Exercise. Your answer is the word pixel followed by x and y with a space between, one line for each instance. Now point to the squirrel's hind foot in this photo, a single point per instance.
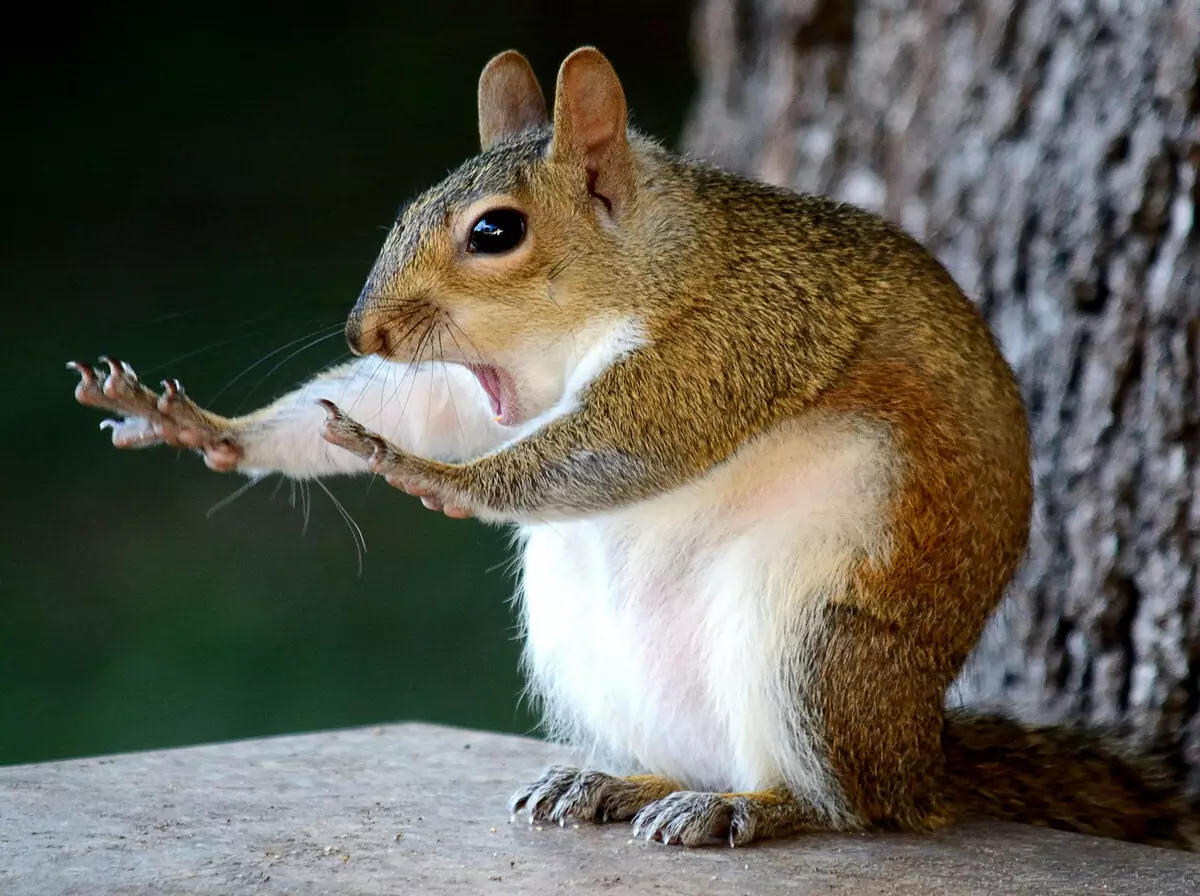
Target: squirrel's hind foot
pixel 691 818
pixel 565 792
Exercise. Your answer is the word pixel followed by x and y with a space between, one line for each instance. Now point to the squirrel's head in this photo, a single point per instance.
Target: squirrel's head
pixel 516 262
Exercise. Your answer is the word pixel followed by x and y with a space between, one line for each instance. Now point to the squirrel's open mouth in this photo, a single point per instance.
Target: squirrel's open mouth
pixel 500 390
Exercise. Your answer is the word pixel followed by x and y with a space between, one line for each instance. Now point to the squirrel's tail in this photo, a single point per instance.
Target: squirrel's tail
pixel 1071 780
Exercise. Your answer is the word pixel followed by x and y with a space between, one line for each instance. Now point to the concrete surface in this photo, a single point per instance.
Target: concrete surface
pixel 421 809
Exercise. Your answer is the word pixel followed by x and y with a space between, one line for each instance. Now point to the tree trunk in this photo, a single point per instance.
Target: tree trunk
pixel 1047 152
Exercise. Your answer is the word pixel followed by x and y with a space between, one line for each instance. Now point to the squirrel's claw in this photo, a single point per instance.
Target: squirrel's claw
pixel 132 432
pixel 147 418
pixel 88 391
pixel 124 391
pixel 692 819
pixel 119 391
pixel 541 796
pixel 191 424
pixel 345 432
pixel 564 792
pixel 382 456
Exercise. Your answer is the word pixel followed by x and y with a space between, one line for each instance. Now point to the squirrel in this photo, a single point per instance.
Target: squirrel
pixel 770 471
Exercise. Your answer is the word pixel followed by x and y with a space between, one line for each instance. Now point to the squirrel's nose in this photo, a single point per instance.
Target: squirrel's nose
pixel 362 341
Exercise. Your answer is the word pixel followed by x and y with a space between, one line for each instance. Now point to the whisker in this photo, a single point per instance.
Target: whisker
pixel 370 482
pixel 170 315
pixel 305 505
pixel 429 400
pixel 470 341
pixel 220 343
pixel 410 370
pixel 420 351
pixel 402 318
pixel 450 392
pixel 269 356
pixel 233 496
pixel 360 542
pixel 378 365
pixel 567 260
pixel 289 357
pixel 387 303
pixel 509 565
pixel 366 385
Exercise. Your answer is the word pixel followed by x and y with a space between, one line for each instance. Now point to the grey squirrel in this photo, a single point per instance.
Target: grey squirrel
pixel 770 470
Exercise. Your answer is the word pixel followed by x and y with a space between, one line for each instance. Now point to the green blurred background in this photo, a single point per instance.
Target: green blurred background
pixel 190 187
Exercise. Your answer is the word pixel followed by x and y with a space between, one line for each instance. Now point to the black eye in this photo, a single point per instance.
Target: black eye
pixel 496 231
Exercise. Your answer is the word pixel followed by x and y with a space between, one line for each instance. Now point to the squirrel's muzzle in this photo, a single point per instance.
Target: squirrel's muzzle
pixel 362 340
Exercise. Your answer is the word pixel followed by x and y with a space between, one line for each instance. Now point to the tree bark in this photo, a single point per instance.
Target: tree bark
pixel 1047 152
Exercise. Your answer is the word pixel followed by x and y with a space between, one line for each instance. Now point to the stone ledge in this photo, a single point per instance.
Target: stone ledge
pixel 420 809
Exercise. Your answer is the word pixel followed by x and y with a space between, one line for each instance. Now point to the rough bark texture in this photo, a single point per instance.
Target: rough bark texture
pixel 1047 152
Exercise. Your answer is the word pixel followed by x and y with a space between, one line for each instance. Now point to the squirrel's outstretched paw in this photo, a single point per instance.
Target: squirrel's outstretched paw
pixel 383 458
pixel 350 435
pixel 693 819
pixel 149 418
pixel 564 792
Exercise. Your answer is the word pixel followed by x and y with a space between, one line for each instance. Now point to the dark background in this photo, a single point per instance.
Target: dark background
pixel 190 189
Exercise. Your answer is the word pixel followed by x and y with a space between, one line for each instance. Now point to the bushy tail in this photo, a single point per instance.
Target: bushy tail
pixel 1066 779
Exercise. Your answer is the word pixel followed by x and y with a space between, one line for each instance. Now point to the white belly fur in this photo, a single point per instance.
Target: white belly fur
pixel 670 636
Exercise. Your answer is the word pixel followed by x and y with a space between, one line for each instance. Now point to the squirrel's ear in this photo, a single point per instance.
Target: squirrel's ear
pixel 510 98
pixel 590 123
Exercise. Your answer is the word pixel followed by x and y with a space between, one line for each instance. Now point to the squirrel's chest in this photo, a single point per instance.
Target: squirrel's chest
pixel 614 647
pixel 659 636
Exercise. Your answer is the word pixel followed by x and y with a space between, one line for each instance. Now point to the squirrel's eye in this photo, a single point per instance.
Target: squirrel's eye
pixel 496 231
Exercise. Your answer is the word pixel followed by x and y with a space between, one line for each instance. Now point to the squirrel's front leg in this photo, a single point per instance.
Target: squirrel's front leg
pixel 544 474
pixel 569 466
pixel 435 409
